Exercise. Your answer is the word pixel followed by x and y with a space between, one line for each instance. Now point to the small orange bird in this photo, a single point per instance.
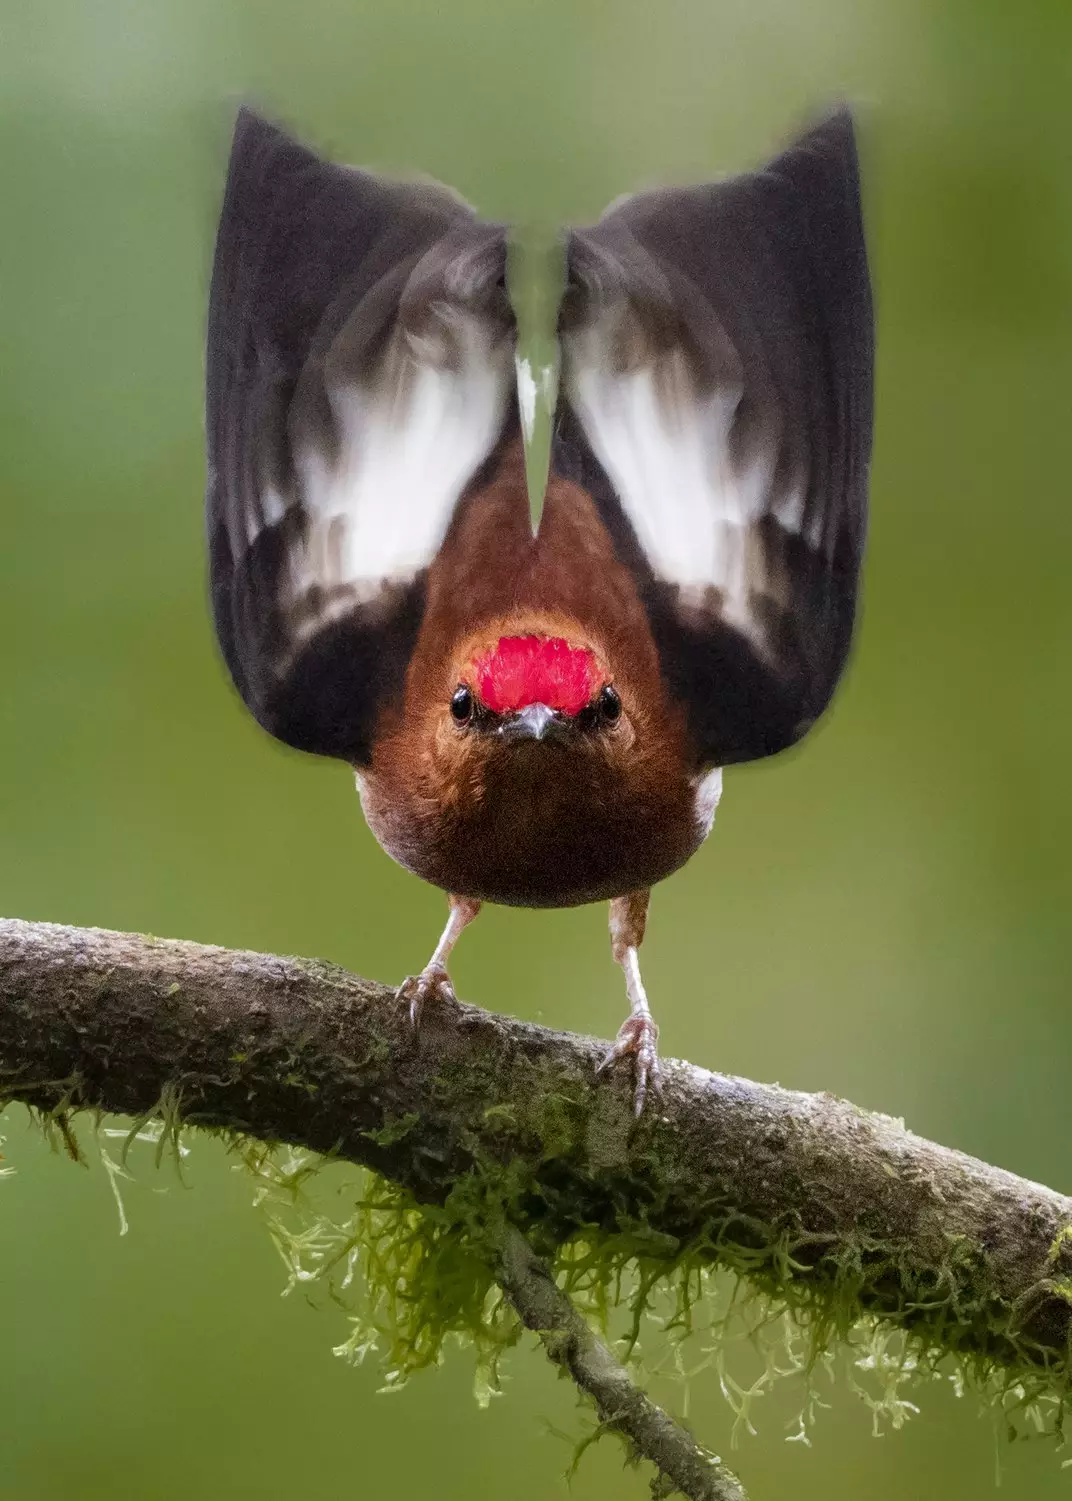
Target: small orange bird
pixel 538 718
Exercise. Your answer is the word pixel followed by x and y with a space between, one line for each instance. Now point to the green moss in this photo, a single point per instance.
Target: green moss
pixel 393 1131
pixel 1061 1247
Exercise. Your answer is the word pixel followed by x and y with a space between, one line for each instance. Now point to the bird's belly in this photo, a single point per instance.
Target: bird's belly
pixel 543 849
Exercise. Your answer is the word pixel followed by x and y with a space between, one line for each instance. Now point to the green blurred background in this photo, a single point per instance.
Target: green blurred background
pixel 884 914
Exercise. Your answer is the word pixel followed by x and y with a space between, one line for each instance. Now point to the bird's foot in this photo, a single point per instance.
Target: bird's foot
pixel 432 984
pixel 638 1037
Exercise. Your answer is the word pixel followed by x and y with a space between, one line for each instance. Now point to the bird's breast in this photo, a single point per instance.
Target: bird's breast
pixel 524 822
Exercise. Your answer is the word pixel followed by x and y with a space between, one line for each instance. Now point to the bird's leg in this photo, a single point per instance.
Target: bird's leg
pixel 433 982
pixel 638 1034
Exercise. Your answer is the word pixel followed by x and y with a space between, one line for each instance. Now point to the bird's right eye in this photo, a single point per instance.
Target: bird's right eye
pixel 461 705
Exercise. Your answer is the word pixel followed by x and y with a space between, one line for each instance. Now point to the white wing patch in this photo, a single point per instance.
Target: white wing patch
pixel 272 510
pixel 410 440
pixel 666 449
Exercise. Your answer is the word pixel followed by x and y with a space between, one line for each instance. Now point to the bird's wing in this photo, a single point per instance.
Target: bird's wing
pixel 716 403
pixel 360 373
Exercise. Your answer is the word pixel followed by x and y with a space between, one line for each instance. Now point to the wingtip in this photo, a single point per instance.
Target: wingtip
pixel 834 132
pixel 838 134
pixel 256 136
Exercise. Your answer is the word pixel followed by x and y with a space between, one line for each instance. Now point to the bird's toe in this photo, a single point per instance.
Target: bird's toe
pixel 638 1039
pixel 432 984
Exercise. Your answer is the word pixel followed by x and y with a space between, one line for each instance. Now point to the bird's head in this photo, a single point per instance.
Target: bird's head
pixel 530 772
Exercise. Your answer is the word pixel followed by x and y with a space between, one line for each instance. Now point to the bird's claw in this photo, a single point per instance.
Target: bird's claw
pixel 637 1036
pixel 432 984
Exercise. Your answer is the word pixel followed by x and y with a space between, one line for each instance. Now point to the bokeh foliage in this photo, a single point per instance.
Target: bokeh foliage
pixel 884 914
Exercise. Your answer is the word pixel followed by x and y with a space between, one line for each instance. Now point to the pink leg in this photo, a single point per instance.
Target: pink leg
pixel 638 1034
pixel 433 982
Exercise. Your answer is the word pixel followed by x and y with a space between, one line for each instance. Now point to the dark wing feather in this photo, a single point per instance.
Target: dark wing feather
pixel 360 372
pixel 716 400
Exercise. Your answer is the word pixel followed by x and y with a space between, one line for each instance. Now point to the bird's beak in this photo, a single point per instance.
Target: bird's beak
pixel 535 722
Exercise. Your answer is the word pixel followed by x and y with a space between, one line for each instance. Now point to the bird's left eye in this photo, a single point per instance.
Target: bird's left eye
pixel 461 705
pixel 610 705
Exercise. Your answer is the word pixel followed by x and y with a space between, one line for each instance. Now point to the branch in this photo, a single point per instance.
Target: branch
pixel 572 1344
pixel 827 1206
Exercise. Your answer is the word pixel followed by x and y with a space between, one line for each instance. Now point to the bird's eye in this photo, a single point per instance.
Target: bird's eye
pixel 461 705
pixel 610 705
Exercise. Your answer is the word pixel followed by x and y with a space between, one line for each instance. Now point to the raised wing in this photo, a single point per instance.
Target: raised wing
pixel 360 372
pixel 716 403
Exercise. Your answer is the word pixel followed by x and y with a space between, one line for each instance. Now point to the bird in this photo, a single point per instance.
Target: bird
pixel 538 715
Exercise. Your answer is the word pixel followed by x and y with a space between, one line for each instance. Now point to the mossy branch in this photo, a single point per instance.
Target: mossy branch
pixel 837 1212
